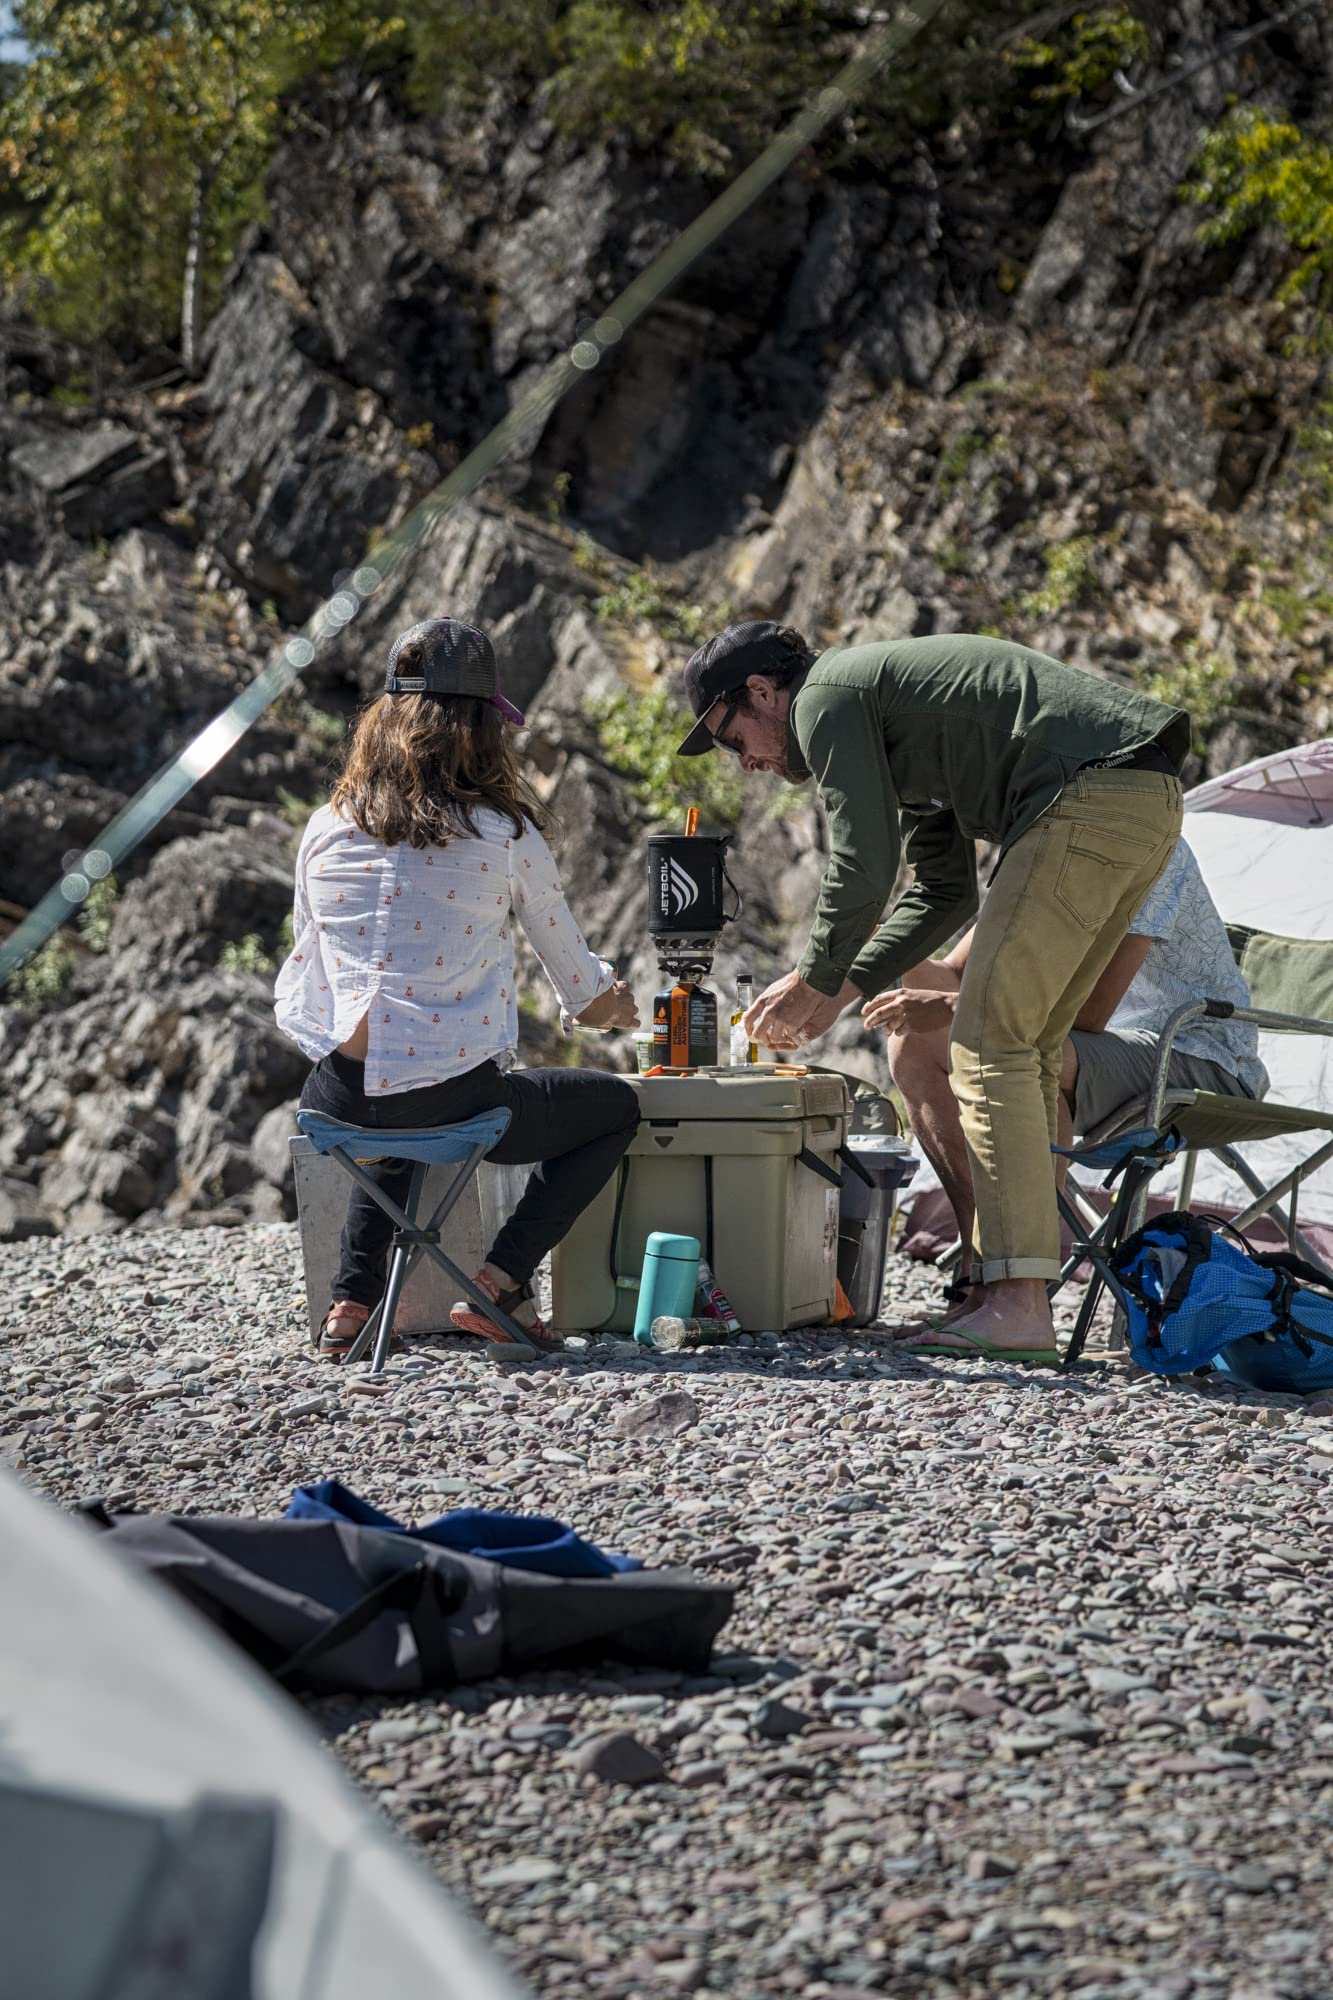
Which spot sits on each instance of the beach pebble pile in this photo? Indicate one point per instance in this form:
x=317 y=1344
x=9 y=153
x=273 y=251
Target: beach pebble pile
x=1028 y=1688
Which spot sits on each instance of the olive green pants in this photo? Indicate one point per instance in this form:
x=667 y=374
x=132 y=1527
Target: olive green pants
x=1058 y=907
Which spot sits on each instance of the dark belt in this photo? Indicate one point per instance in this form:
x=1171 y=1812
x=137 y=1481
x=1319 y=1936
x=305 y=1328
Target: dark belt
x=1148 y=757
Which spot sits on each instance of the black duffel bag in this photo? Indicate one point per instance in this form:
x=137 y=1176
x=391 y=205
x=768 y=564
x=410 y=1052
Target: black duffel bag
x=327 y=1607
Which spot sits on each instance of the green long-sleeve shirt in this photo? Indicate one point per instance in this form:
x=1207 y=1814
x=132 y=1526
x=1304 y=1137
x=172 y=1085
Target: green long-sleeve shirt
x=920 y=748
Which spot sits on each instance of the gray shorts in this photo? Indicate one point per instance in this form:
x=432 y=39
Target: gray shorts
x=1116 y=1067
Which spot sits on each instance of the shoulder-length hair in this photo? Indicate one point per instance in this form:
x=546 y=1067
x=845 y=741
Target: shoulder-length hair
x=419 y=767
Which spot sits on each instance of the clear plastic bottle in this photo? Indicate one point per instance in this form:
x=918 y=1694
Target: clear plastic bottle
x=743 y=1050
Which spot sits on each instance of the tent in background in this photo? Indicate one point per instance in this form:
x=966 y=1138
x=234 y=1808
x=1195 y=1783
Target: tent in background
x=170 y=1824
x=1263 y=839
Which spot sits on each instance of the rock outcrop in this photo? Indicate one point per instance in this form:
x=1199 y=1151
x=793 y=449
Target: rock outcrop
x=1002 y=385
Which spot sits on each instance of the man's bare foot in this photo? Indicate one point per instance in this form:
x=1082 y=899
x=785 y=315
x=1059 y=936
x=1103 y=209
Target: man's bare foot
x=953 y=1309
x=1014 y=1314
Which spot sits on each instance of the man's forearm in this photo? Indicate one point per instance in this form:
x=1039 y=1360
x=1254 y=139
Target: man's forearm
x=905 y=940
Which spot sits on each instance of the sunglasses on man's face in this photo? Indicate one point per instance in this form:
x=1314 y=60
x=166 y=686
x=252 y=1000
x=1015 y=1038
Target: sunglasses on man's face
x=719 y=734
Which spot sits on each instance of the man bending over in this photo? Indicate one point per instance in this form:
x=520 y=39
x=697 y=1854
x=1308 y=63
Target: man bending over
x=918 y=749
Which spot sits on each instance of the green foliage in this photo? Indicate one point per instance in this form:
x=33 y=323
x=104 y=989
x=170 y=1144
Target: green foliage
x=1258 y=167
x=555 y=503
x=132 y=116
x=1312 y=457
x=39 y=984
x=99 y=907
x=953 y=558
x=707 y=82
x=684 y=77
x=295 y=810
x=638 y=734
x=76 y=394
x=587 y=556
x=327 y=729
x=245 y=954
x=135 y=120
x=1293 y=607
x=959 y=456
x=1200 y=681
x=1086 y=52
x=287 y=936
x=1071 y=575
x=642 y=598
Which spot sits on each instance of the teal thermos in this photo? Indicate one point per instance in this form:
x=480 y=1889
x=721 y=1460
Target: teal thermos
x=667 y=1287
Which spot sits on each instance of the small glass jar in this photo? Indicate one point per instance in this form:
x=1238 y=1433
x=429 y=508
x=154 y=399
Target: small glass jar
x=644 y=1058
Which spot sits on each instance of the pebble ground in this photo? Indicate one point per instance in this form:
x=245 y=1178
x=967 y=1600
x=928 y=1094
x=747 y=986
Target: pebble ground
x=1027 y=1690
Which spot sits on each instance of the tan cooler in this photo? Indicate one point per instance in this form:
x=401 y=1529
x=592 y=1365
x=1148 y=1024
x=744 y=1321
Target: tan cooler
x=769 y=1144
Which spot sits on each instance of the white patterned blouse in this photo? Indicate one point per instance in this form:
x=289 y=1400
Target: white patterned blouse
x=421 y=941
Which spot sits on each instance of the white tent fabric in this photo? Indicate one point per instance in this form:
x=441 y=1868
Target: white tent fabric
x=1263 y=838
x=119 y=1711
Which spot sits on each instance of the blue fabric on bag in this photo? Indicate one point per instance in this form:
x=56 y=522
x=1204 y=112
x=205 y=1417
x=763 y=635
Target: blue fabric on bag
x=1194 y=1298
x=520 y=1541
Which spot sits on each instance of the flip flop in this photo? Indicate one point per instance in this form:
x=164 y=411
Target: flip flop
x=1041 y=1357
x=897 y=1336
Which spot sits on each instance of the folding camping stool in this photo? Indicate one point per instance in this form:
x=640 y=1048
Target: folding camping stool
x=464 y=1146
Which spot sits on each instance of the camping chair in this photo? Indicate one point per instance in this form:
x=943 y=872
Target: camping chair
x=465 y=1146
x=1291 y=987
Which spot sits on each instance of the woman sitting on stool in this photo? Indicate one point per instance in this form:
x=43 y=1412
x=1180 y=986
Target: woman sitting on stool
x=400 y=984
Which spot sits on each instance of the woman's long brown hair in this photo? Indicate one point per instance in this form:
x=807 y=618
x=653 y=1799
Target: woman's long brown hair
x=418 y=768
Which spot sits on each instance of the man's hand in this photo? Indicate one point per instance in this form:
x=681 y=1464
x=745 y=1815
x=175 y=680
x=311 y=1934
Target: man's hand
x=614 y=1008
x=790 y=1012
x=910 y=1013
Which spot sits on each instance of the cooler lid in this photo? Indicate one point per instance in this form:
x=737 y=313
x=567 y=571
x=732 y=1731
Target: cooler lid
x=742 y=1092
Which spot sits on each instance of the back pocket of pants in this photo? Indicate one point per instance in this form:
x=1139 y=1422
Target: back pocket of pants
x=1097 y=867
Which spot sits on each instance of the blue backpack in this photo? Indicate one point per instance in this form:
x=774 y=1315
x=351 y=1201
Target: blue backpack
x=1193 y=1298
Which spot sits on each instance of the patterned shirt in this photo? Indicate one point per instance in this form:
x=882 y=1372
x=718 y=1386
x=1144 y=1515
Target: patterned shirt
x=420 y=940
x=1190 y=958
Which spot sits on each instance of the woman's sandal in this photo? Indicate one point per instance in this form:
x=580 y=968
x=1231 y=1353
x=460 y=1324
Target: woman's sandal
x=339 y=1328
x=538 y=1339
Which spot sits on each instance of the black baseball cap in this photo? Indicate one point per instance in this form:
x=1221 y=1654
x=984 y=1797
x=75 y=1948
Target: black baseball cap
x=454 y=659
x=724 y=663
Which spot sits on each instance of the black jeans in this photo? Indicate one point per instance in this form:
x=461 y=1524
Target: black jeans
x=577 y=1123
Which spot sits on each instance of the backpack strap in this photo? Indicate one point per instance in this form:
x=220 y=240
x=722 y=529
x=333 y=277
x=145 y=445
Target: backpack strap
x=1198 y=1249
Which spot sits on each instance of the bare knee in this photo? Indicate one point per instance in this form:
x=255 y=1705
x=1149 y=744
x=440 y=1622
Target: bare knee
x=917 y=1063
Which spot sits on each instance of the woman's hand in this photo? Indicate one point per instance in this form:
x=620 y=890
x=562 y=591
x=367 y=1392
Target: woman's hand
x=910 y=1013
x=613 y=1009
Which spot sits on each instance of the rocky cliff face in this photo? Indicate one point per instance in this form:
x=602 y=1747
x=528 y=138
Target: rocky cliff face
x=1005 y=387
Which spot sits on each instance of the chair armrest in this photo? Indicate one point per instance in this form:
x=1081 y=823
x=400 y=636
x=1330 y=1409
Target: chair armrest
x=1219 y=1010
x=1193 y=1010
x=1278 y=1024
